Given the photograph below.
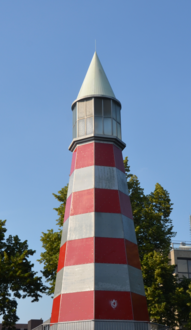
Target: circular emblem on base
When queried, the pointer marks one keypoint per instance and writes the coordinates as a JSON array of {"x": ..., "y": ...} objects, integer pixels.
[{"x": 113, "y": 303}]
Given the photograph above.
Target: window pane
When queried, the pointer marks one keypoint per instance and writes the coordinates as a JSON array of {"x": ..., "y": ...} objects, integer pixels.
[
  {"x": 74, "y": 116},
  {"x": 189, "y": 266},
  {"x": 107, "y": 126},
  {"x": 89, "y": 108},
  {"x": 181, "y": 275},
  {"x": 74, "y": 131},
  {"x": 118, "y": 114},
  {"x": 81, "y": 127},
  {"x": 98, "y": 125},
  {"x": 114, "y": 128},
  {"x": 113, "y": 110},
  {"x": 98, "y": 107},
  {"x": 89, "y": 125},
  {"x": 119, "y": 131},
  {"x": 182, "y": 266},
  {"x": 107, "y": 108},
  {"x": 81, "y": 109}
]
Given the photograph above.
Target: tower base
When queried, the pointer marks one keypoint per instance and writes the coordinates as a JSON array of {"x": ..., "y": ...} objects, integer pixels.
[{"x": 101, "y": 325}]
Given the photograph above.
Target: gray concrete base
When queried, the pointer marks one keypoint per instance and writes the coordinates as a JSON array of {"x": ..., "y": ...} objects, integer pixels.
[{"x": 99, "y": 325}]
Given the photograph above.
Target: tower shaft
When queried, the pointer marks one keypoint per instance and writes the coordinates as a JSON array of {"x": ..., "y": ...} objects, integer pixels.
[{"x": 99, "y": 273}]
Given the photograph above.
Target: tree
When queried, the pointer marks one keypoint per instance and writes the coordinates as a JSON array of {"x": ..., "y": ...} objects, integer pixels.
[
  {"x": 188, "y": 324},
  {"x": 160, "y": 288},
  {"x": 151, "y": 213},
  {"x": 51, "y": 243},
  {"x": 17, "y": 277},
  {"x": 183, "y": 300}
]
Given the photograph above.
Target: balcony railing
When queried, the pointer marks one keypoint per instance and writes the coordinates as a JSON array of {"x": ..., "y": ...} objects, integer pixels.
[
  {"x": 102, "y": 325},
  {"x": 185, "y": 245}
]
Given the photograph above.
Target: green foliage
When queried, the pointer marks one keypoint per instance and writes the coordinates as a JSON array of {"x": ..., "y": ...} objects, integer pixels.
[
  {"x": 169, "y": 299},
  {"x": 61, "y": 197},
  {"x": 183, "y": 302},
  {"x": 51, "y": 243},
  {"x": 17, "y": 277},
  {"x": 160, "y": 288},
  {"x": 188, "y": 319},
  {"x": 151, "y": 213}
]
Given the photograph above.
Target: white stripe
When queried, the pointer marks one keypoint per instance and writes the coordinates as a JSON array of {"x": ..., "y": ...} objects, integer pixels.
[
  {"x": 122, "y": 182},
  {"x": 70, "y": 186},
  {"x": 105, "y": 177},
  {"x": 81, "y": 226},
  {"x": 64, "y": 232},
  {"x": 102, "y": 177},
  {"x": 78, "y": 278},
  {"x": 58, "y": 285},
  {"x": 129, "y": 229},
  {"x": 111, "y": 277},
  {"x": 136, "y": 281},
  {"x": 108, "y": 225},
  {"x": 83, "y": 178}
]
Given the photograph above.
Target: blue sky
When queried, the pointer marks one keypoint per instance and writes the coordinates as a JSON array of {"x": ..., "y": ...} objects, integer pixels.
[{"x": 45, "y": 50}]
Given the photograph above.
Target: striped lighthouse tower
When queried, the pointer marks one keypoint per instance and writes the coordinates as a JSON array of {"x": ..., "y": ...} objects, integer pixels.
[{"x": 99, "y": 282}]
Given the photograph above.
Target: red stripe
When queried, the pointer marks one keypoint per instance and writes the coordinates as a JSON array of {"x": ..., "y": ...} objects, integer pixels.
[
  {"x": 110, "y": 250},
  {"x": 85, "y": 155},
  {"x": 125, "y": 205},
  {"x": 61, "y": 257},
  {"x": 132, "y": 254},
  {"x": 118, "y": 159},
  {"x": 77, "y": 306},
  {"x": 121, "y": 302},
  {"x": 82, "y": 202},
  {"x": 107, "y": 200},
  {"x": 80, "y": 251},
  {"x": 67, "y": 209},
  {"x": 73, "y": 162},
  {"x": 140, "y": 310},
  {"x": 104, "y": 155},
  {"x": 55, "y": 310}
]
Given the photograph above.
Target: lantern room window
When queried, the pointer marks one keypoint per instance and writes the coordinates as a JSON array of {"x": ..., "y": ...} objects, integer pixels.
[{"x": 99, "y": 116}]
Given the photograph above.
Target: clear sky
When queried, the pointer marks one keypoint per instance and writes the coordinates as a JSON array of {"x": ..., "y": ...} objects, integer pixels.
[{"x": 45, "y": 50}]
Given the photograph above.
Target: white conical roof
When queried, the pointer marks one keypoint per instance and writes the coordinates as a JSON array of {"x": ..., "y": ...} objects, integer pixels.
[{"x": 95, "y": 82}]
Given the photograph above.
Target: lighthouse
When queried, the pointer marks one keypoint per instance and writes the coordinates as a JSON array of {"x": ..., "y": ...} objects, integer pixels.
[{"x": 99, "y": 284}]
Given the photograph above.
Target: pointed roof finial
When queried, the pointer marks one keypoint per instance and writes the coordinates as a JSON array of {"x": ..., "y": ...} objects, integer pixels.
[{"x": 95, "y": 82}]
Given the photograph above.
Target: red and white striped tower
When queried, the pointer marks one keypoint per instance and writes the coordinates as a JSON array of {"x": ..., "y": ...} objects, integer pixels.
[{"x": 99, "y": 282}]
